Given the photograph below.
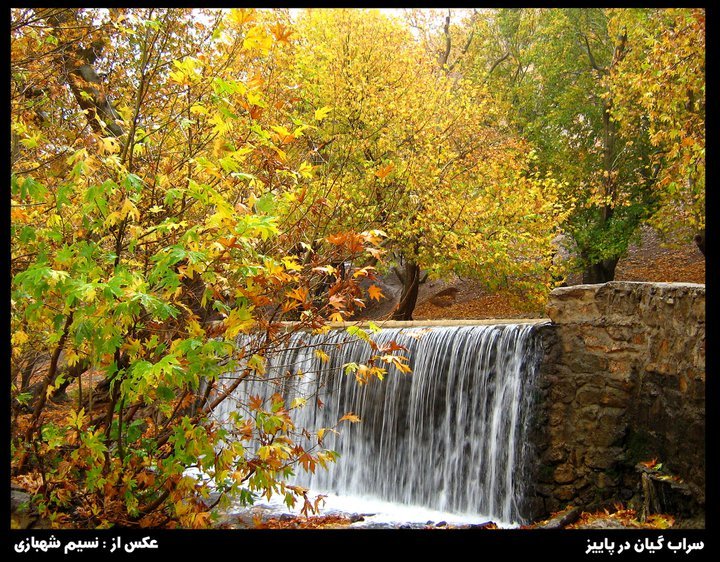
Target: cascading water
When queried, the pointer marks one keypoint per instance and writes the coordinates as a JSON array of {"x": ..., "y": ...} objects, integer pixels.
[{"x": 450, "y": 436}]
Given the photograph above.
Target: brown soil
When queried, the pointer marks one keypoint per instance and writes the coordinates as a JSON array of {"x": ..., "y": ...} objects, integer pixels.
[{"x": 648, "y": 260}]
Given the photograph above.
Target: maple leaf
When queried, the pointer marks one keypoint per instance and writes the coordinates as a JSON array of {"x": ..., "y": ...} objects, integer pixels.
[
  {"x": 649, "y": 464},
  {"x": 324, "y": 357},
  {"x": 384, "y": 171},
  {"x": 321, "y": 113},
  {"x": 375, "y": 292},
  {"x": 337, "y": 239},
  {"x": 281, "y": 32},
  {"x": 377, "y": 253},
  {"x": 336, "y": 301},
  {"x": 257, "y": 38},
  {"x": 300, "y": 294},
  {"x": 255, "y": 402},
  {"x": 352, "y": 418},
  {"x": 241, "y": 16},
  {"x": 227, "y": 241}
]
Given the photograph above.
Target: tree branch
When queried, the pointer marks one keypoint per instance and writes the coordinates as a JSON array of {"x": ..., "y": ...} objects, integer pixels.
[
  {"x": 495, "y": 65},
  {"x": 448, "y": 42},
  {"x": 50, "y": 377},
  {"x": 464, "y": 50},
  {"x": 593, "y": 62}
]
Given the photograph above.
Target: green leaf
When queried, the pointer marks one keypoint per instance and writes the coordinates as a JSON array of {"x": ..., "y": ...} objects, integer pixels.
[
  {"x": 35, "y": 190},
  {"x": 133, "y": 182},
  {"x": 165, "y": 393},
  {"x": 266, "y": 204}
]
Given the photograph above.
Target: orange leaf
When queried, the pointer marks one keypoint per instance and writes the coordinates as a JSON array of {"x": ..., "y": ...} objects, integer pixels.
[
  {"x": 337, "y": 239},
  {"x": 281, "y": 32},
  {"x": 256, "y": 402},
  {"x": 375, "y": 292},
  {"x": 383, "y": 172},
  {"x": 352, "y": 418},
  {"x": 299, "y": 294}
]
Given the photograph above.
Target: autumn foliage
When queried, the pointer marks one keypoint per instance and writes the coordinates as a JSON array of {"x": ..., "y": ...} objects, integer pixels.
[
  {"x": 152, "y": 227},
  {"x": 185, "y": 179}
]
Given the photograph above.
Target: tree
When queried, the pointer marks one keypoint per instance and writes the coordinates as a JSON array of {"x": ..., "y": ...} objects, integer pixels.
[
  {"x": 660, "y": 85},
  {"x": 558, "y": 69},
  {"x": 412, "y": 150},
  {"x": 142, "y": 250}
]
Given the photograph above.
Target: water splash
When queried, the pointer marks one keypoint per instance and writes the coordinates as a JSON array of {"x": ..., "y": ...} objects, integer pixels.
[{"x": 449, "y": 437}]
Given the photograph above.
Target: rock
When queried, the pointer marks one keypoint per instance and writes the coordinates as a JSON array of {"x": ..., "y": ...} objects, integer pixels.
[
  {"x": 624, "y": 359},
  {"x": 487, "y": 524},
  {"x": 603, "y": 524},
  {"x": 564, "y": 473},
  {"x": 562, "y": 519},
  {"x": 21, "y": 515}
]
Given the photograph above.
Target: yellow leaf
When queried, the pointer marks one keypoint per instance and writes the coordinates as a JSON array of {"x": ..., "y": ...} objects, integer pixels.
[
  {"x": 323, "y": 112},
  {"x": 257, "y": 364},
  {"x": 241, "y": 16},
  {"x": 179, "y": 76},
  {"x": 324, "y": 357},
  {"x": 19, "y": 338},
  {"x": 306, "y": 169},
  {"x": 76, "y": 419},
  {"x": 220, "y": 126},
  {"x": 110, "y": 145},
  {"x": 71, "y": 357},
  {"x": 129, "y": 210},
  {"x": 239, "y": 320},
  {"x": 255, "y": 98},
  {"x": 257, "y": 38},
  {"x": 291, "y": 264},
  {"x": 280, "y": 130},
  {"x": 285, "y": 135}
]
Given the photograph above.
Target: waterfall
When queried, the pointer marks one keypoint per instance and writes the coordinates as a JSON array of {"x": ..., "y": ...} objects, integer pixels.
[{"x": 449, "y": 436}]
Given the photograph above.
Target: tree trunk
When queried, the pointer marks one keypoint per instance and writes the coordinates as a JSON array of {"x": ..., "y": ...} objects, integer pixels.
[
  {"x": 600, "y": 272},
  {"x": 408, "y": 298},
  {"x": 80, "y": 75},
  {"x": 700, "y": 241}
]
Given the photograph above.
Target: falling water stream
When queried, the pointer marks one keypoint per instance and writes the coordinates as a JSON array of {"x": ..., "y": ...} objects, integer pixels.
[{"x": 448, "y": 438}]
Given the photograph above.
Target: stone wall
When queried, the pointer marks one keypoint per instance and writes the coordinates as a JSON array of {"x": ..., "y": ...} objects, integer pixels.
[{"x": 622, "y": 382}]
